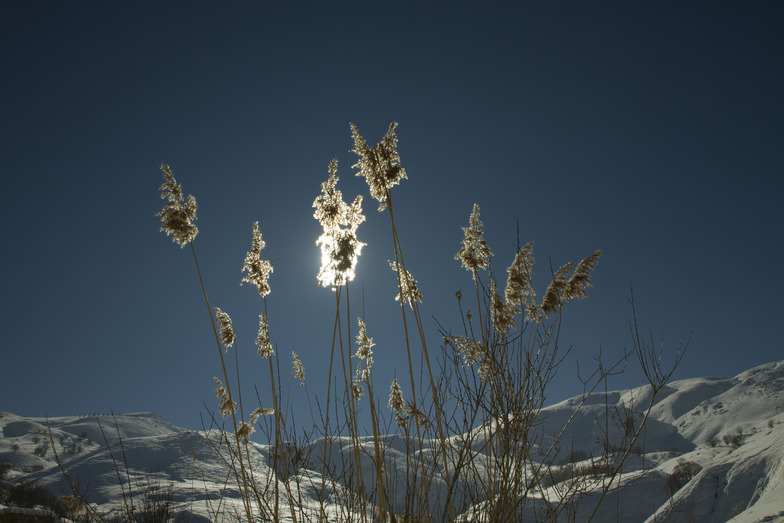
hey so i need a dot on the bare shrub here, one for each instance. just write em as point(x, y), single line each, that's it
point(682, 474)
point(736, 439)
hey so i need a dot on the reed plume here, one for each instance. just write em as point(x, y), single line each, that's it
point(470, 349)
point(226, 405)
point(475, 253)
point(554, 295)
point(379, 165)
point(562, 289)
point(263, 338)
point(179, 214)
point(246, 427)
point(409, 291)
point(581, 279)
point(258, 270)
point(340, 248)
point(364, 343)
point(298, 370)
point(226, 328)
point(502, 312)
point(519, 275)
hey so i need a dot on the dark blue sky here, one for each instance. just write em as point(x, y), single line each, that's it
point(652, 131)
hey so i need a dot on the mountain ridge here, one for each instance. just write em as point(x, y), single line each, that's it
point(693, 420)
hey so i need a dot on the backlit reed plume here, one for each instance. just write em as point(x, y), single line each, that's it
point(553, 296)
point(502, 312)
point(298, 370)
point(258, 270)
point(562, 289)
point(475, 253)
point(225, 327)
point(364, 352)
point(408, 285)
point(246, 428)
point(364, 343)
point(340, 248)
point(397, 404)
point(380, 165)
point(396, 401)
point(518, 282)
point(580, 280)
point(226, 405)
point(263, 339)
point(471, 350)
point(356, 384)
point(179, 214)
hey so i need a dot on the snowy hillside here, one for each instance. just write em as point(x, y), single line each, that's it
point(729, 431)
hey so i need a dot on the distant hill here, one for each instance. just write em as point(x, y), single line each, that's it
point(731, 428)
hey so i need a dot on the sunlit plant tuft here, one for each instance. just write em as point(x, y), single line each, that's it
point(179, 214)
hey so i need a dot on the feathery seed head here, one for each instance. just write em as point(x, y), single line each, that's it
point(179, 214)
point(380, 165)
point(408, 285)
point(225, 327)
point(581, 279)
point(475, 253)
point(554, 295)
point(258, 270)
point(263, 338)
point(298, 369)
point(533, 312)
point(502, 312)
point(366, 370)
point(340, 252)
point(340, 248)
point(485, 370)
point(354, 215)
point(244, 431)
point(396, 401)
point(364, 343)
point(247, 428)
point(356, 384)
point(471, 350)
point(331, 210)
point(226, 405)
point(518, 283)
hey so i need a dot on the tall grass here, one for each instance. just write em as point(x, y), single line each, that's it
point(466, 424)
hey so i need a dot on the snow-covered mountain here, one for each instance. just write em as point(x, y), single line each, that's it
point(731, 428)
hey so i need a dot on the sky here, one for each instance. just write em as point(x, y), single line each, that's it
point(651, 131)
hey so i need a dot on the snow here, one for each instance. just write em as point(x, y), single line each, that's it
point(688, 422)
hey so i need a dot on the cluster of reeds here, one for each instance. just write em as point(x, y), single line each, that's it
point(467, 418)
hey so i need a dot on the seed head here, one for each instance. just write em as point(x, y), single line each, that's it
point(247, 428)
point(340, 252)
point(340, 248)
point(356, 384)
point(298, 369)
point(380, 165)
point(408, 285)
point(226, 329)
point(263, 339)
point(226, 405)
point(581, 279)
point(518, 282)
point(331, 210)
point(396, 401)
point(179, 214)
point(471, 350)
point(258, 270)
point(554, 295)
point(502, 312)
point(475, 253)
point(363, 342)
